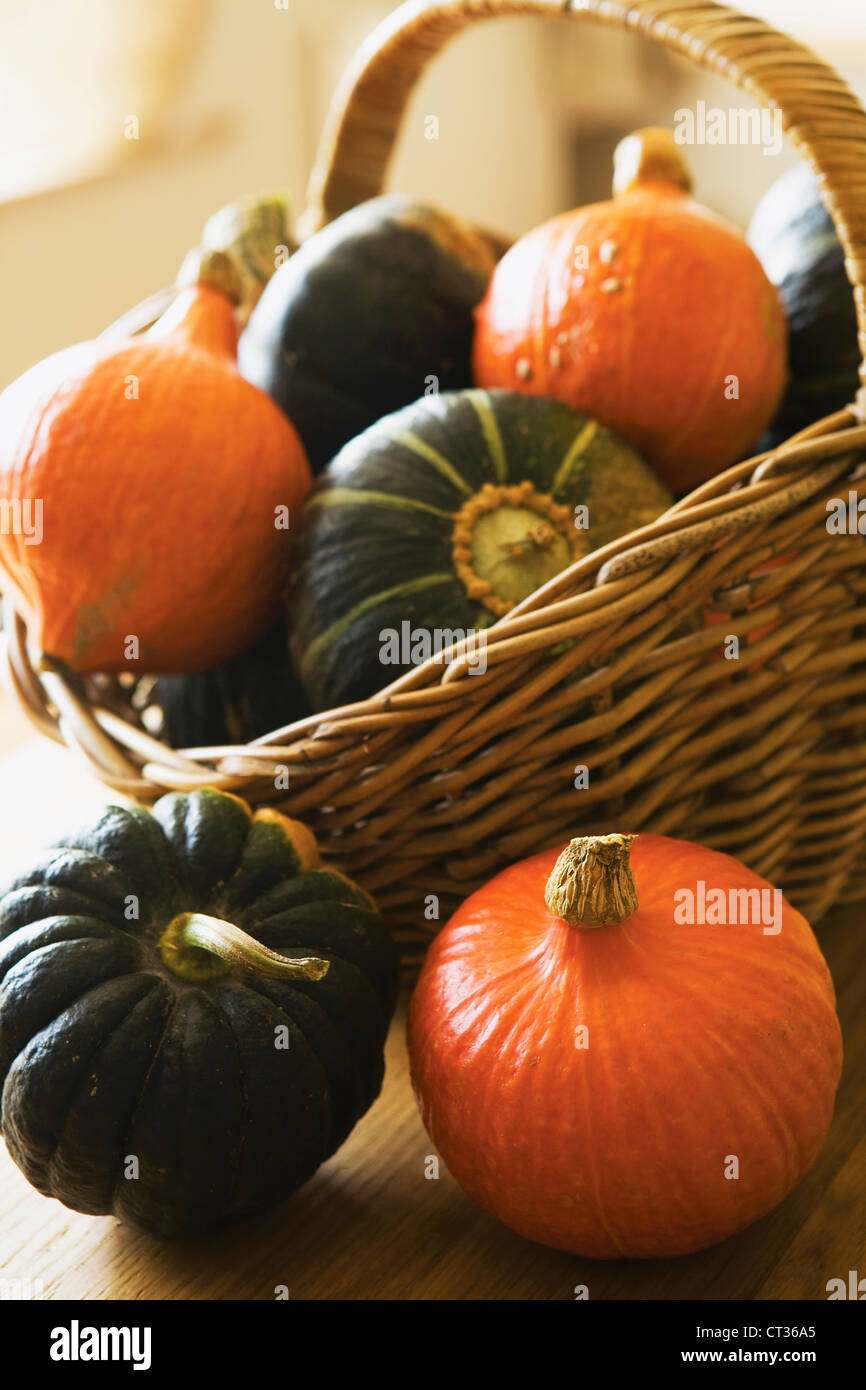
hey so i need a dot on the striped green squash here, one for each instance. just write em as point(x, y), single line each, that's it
point(438, 519)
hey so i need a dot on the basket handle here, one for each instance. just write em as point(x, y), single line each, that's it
point(822, 117)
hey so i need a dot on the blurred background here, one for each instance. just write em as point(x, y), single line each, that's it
point(125, 123)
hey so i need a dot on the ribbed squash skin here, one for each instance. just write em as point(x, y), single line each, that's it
point(253, 694)
point(703, 1042)
point(793, 236)
point(104, 1053)
point(375, 545)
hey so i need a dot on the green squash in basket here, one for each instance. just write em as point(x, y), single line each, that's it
point(793, 236)
point(365, 316)
point(439, 519)
point(249, 696)
point(192, 1013)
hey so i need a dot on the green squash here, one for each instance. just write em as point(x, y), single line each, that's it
point(439, 519)
point(793, 236)
point(197, 1062)
point(245, 698)
point(362, 318)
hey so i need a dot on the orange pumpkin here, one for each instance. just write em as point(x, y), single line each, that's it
point(649, 313)
point(605, 1077)
point(159, 471)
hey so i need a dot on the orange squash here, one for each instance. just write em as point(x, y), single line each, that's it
point(606, 1077)
point(649, 313)
point(158, 473)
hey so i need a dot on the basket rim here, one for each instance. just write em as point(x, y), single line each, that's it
point(591, 591)
point(732, 503)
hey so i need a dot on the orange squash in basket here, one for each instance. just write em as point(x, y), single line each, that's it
point(649, 313)
point(606, 1075)
point(147, 476)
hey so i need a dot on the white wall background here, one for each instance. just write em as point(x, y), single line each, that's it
point(509, 95)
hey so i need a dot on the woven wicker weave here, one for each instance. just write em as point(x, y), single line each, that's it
point(437, 782)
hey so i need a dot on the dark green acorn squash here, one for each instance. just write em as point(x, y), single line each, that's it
point(793, 236)
point(440, 518)
point(358, 320)
point(247, 697)
point(197, 1063)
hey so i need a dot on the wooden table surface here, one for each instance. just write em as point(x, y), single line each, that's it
point(371, 1225)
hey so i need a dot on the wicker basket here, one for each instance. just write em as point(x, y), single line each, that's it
point(440, 780)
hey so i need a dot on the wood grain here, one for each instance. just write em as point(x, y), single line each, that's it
point(371, 1225)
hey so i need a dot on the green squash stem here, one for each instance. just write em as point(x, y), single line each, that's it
point(200, 948)
point(241, 247)
point(592, 883)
